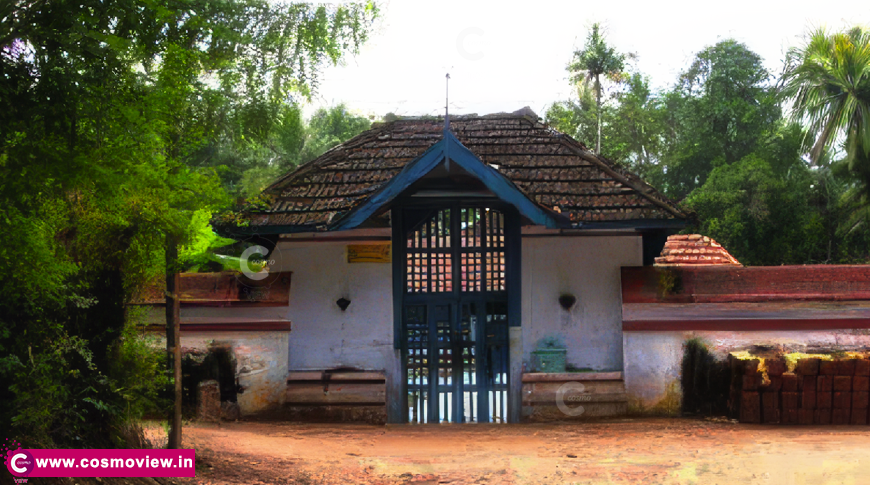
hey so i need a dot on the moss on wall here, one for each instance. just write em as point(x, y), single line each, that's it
point(705, 380)
point(670, 282)
point(669, 405)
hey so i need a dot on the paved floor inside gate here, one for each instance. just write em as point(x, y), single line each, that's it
point(668, 451)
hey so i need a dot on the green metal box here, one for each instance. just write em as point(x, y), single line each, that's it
point(549, 360)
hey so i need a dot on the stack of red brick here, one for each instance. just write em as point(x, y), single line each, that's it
point(818, 392)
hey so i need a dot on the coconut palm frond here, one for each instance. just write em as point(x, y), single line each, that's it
point(828, 81)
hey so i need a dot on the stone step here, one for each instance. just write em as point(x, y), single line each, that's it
point(557, 397)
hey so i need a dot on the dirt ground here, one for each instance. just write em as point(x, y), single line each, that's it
point(663, 451)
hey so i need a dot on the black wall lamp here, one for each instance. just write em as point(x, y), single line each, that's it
point(567, 301)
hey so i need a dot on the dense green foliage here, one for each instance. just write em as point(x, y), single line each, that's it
point(719, 142)
point(117, 119)
point(327, 128)
point(721, 109)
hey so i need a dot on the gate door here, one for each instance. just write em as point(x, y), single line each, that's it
point(454, 318)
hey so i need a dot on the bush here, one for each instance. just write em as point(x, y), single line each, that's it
point(139, 373)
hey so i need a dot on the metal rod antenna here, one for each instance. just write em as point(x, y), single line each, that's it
point(447, 102)
point(446, 120)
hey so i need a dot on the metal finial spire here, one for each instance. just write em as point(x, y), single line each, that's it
point(447, 103)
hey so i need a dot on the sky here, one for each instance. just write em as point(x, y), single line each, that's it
point(505, 55)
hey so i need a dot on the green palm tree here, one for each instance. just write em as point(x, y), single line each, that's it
point(828, 81)
point(590, 63)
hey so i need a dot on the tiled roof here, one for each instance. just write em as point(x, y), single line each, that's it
point(694, 249)
point(550, 168)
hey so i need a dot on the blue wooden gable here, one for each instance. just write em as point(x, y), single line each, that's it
point(449, 149)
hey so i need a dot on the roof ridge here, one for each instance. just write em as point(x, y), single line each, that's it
point(458, 117)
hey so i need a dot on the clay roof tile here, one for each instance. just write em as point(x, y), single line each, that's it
point(550, 168)
point(694, 249)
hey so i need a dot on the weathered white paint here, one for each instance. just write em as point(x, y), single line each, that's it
point(652, 367)
point(653, 359)
point(261, 364)
point(324, 336)
point(261, 356)
point(589, 269)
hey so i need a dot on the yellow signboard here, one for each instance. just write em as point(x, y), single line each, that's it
point(368, 253)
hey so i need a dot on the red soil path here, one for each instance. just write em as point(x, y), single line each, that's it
point(668, 451)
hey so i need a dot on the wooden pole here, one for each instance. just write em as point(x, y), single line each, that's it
point(173, 337)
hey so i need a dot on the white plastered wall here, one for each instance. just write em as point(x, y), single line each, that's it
point(324, 336)
point(261, 364)
point(261, 356)
point(587, 267)
point(653, 359)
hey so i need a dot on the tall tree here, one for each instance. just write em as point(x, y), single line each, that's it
point(828, 82)
point(718, 113)
point(328, 127)
point(578, 117)
point(594, 60)
point(637, 126)
point(764, 207)
point(108, 112)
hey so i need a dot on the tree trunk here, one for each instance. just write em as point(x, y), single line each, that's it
point(173, 337)
point(598, 114)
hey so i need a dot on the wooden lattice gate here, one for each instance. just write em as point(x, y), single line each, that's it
point(454, 326)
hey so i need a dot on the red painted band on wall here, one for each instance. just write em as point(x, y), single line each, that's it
point(746, 324)
point(274, 326)
point(650, 284)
